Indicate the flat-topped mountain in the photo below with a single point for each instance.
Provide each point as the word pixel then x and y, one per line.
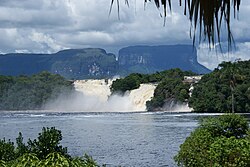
pixel 72 63
pixel 97 63
pixel 149 59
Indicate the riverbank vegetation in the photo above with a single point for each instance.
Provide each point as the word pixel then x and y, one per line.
pixel 170 88
pixel 43 151
pixel 226 89
pixel 31 92
pixel 218 141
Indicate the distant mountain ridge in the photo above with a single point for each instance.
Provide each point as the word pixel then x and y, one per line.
pixel 71 63
pixel 150 59
pixel 97 63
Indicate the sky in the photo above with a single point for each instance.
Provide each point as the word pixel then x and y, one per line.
pixel 47 26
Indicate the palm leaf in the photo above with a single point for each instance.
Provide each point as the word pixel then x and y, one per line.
pixel 205 14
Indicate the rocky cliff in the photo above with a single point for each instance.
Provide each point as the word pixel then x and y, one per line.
pixel 97 63
pixel 72 63
pixel 149 59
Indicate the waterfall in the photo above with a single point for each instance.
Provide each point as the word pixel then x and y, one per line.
pixel 93 87
pixel 172 105
pixel 140 96
pixel 96 96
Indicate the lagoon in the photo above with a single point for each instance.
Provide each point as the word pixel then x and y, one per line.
pixel 126 139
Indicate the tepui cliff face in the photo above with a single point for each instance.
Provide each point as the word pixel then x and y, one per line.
pixel 72 63
pixel 97 63
pixel 149 59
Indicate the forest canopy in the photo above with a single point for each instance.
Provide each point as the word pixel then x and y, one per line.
pixel 226 89
pixel 31 92
pixel 217 141
pixel 170 86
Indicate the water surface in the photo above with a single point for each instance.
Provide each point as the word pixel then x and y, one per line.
pixel 126 139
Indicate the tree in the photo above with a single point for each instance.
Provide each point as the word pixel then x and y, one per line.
pixel 205 15
pixel 218 141
pixel 231 71
pixel 226 89
pixel 32 92
pixel 47 142
pixel 43 151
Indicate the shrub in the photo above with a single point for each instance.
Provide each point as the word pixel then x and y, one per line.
pixel 230 152
pixel 227 125
pixel 47 142
pixel 220 141
pixel 7 150
pixel 43 151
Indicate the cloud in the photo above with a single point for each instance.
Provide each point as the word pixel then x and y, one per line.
pixel 44 41
pixel 49 14
pixel 74 24
pixel 50 25
pixel 211 58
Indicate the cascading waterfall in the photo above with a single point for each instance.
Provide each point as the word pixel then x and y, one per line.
pixel 140 96
pixel 95 96
pixel 99 90
pixel 174 106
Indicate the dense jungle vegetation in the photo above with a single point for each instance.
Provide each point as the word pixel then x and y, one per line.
pixel 222 141
pixel 43 151
pixel 170 86
pixel 226 89
pixel 24 93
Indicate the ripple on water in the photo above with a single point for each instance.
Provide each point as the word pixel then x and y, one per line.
pixel 126 139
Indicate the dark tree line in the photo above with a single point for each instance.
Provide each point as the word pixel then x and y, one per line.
pixel 31 92
pixel 226 89
pixel 170 86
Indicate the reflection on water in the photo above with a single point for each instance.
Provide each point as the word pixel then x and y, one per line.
pixel 126 139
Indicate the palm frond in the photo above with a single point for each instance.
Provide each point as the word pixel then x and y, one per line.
pixel 205 14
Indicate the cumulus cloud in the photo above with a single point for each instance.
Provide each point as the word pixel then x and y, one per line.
pixel 76 24
pixel 50 25
pixel 211 58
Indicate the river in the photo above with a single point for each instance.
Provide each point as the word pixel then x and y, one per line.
pixel 126 139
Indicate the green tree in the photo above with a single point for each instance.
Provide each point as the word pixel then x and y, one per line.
pixel 47 142
pixel 230 152
pixel 223 90
pixel 7 150
pixel 171 89
pixel 43 151
pixel 32 92
pixel 128 83
pixel 218 141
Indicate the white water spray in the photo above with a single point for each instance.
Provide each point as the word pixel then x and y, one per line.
pixel 95 96
pixel 98 88
pixel 173 106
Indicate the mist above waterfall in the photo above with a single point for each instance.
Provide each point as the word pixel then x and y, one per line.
pixel 173 106
pixel 95 96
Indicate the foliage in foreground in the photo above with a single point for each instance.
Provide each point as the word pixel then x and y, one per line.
pixel 43 151
pixel 222 141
